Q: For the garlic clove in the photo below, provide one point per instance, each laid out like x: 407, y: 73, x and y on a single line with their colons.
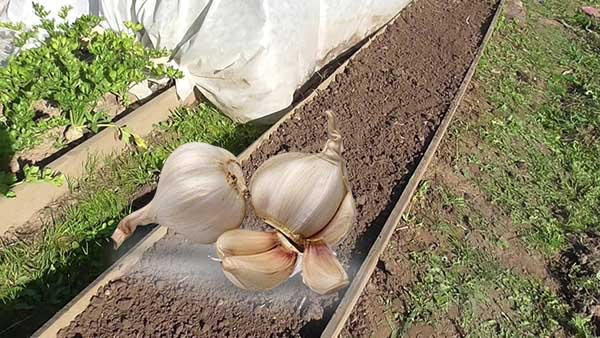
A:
x: 341, y: 223
x: 321, y: 270
x: 263, y: 271
x: 241, y: 242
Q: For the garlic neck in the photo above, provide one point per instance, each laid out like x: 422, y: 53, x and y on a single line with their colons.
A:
x: 333, y: 148
x: 127, y: 226
x: 233, y: 172
x: 293, y: 238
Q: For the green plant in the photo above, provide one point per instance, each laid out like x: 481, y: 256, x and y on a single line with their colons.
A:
x: 35, y: 174
x: 72, y: 68
x: 31, y: 174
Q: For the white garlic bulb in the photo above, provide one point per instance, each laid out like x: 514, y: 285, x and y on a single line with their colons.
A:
x: 200, y: 194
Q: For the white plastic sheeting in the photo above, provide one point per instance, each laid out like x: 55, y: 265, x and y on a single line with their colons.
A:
x: 246, y: 56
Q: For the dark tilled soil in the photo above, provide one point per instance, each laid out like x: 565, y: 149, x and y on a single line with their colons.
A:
x: 389, y: 102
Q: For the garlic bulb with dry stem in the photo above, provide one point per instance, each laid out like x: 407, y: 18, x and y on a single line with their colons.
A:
x: 307, y: 198
x: 300, y: 194
x: 200, y: 194
x: 255, y: 260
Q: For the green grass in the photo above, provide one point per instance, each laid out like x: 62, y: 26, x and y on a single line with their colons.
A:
x: 533, y: 152
x: 543, y: 83
x: 491, y: 300
x: 44, y: 273
x: 467, y: 284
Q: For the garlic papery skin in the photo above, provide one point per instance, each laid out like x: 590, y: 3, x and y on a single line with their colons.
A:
x: 321, y: 270
x: 299, y: 194
x: 261, y: 271
x: 200, y: 194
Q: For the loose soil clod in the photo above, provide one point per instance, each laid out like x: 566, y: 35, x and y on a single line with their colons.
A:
x: 389, y: 102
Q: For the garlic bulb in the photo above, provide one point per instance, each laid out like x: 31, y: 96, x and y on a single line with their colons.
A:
x: 302, y: 194
x: 200, y: 194
x: 307, y: 198
x: 255, y: 260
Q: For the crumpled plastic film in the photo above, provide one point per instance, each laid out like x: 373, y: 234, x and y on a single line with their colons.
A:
x: 248, y: 57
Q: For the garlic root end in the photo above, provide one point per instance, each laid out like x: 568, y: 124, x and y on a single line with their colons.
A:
x: 128, y: 225
x: 118, y: 237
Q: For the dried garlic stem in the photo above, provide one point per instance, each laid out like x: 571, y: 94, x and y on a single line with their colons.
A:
x: 128, y: 225
x: 333, y: 148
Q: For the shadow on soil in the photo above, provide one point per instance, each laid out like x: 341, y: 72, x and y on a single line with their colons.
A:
x: 6, y: 154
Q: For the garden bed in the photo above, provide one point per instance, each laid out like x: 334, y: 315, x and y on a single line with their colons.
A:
x: 31, y: 198
x: 390, y: 101
x: 63, y: 96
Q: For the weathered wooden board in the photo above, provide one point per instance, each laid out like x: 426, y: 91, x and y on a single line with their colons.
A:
x: 344, y: 309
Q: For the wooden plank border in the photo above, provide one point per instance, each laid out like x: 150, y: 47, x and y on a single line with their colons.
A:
x: 346, y: 305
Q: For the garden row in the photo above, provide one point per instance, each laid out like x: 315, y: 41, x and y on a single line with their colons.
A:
x: 68, y: 81
x: 394, y: 101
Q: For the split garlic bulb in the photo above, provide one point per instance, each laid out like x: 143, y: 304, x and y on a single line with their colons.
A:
x: 307, y: 198
x: 200, y: 194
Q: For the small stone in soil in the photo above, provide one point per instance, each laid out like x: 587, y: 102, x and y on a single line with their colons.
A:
x: 515, y: 11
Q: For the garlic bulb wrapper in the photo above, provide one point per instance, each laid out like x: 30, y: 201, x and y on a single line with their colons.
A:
x: 200, y: 194
x: 300, y: 194
x: 254, y: 260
